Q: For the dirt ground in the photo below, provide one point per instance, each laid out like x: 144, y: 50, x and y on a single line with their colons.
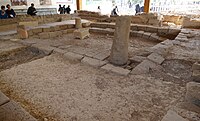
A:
x: 58, y: 90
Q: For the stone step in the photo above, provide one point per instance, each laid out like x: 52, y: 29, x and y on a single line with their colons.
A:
x: 3, y: 99
x: 173, y: 116
x: 12, y: 111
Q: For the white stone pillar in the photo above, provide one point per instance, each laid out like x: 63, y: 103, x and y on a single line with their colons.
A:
x: 78, y: 23
x: 119, y: 50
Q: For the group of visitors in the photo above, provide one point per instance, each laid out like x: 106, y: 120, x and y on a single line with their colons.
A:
x: 64, y: 10
x: 7, y: 13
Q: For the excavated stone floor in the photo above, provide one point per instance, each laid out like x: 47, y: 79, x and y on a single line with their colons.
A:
x: 46, y: 79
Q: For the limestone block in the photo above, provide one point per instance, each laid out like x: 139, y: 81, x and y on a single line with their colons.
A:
x: 12, y: 111
x: 115, y: 69
x: 44, y: 35
x: 93, y: 62
x: 52, y: 34
x: 119, y: 50
x: 161, y: 39
x: 58, y: 33
x: 78, y: 24
x: 70, y: 26
x: 86, y: 24
x: 22, y: 32
x: 140, y: 33
x: 142, y: 28
x: 196, y: 66
x: 30, y: 32
x: 133, y: 33
x: 173, y: 116
x: 137, y: 59
x: 146, y: 35
x: 81, y: 33
x: 3, y: 99
x: 73, y: 56
x: 193, y: 93
x: 196, y: 75
x: 37, y: 30
x: 163, y: 31
x: 63, y: 27
x: 134, y: 27
x: 143, y: 67
x: 152, y: 29
x: 29, y: 23
x: 47, y: 29
x: 156, y: 58
x: 154, y: 37
x: 102, y: 56
x: 70, y: 30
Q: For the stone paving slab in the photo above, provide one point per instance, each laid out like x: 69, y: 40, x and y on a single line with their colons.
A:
x: 103, y: 55
x: 143, y: 67
x: 73, y: 56
x: 173, y: 116
x: 12, y: 111
x: 156, y: 58
x: 118, y: 70
x: 3, y: 99
x: 93, y: 62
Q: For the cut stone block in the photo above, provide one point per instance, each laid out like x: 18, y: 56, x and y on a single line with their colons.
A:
x: 63, y: 27
x: 137, y: 59
x: 30, y: 32
x: 102, y: 55
x: 81, y: 33
x: 154, y: 37
x: 86, y: 24
x: 78, y: 24
x: 152, y: 29
x: 37, y: 30
x: 22, y: 32
x: 193, y: 93
x: 93, y: 62
x: 143, y: 67
x: 156, y: 58
x: 118, y: 70
x: 196, y: 66
x: 163, y: 31
x: 3, y: 99
x: 53, y: 34
x: 140, y: 33
x: 133, y: 33
x: 47, y: 29
x: 134, y: 28
x: 146, y: 35
x: 173, y: 116
x: 70, y: 26
x: 29, y: 23
x: 44, y: 35
x: 12, y: 111
x: 46, y: 49
x: 142, y: 28
x: 73, y: 56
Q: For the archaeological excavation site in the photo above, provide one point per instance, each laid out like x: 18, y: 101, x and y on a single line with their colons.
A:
x: 92, y: 66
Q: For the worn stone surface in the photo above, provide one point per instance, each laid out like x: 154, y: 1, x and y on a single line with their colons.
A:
x: 44, y: 35
x: 37, y: 30
x: 137, y: 59
x: 81, y: 33
x: 144, y: 67
x: 119, y: 50
x: 102, y: 55
x: 196, y: 66
x: 73, y: 56
x: 140, y: 33
x: 12, y: 111
x: 146, y: 35
x: 29, y: 23
x: 78, y: 24
x: 115, y: 69
x: 3, y: 99
x: 93, y: 62
x: 193, y: 93
x: 173, y: 116
x: 22, y: 32
x: 156, y: 58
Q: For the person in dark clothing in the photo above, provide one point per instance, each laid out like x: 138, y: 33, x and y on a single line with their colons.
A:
x: 137, y: 8
x: 64, y: 11
x: 3, y: 14
x: 68, y: 9
x: 115, y: 11
x: 31, y: 10
x: 10, y: 12
x: 61, y: 9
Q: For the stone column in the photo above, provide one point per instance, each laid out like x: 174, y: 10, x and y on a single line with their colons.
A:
x: 22, y: 32
x: 119, y: 50
x: 78, y: 24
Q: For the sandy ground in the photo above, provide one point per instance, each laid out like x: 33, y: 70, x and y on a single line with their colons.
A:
x: 62, y: 91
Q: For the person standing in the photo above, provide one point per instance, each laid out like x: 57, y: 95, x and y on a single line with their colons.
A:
x: 61, y: 9
x: 3, y: 14
x: 68, y: 9
x: 10, y: 12
x: 31, y: 10
x: 115, y: 11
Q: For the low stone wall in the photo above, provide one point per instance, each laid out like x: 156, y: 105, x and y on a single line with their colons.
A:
x: 7, y: 24
x: 176, y: 19
x: 191, y: 23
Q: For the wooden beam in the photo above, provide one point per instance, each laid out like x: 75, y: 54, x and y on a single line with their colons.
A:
x: 79, y: 4
x: 146, y: 6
